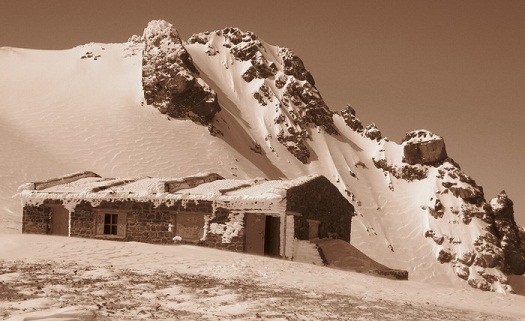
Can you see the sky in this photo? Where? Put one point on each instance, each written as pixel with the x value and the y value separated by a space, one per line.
pixel 456 68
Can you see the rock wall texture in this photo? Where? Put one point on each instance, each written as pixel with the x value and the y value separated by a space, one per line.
pixel 170 80
pixel 423 147
pixel 35 220
pixel 510 237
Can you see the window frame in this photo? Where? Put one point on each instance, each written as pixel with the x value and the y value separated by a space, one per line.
pixel 120 224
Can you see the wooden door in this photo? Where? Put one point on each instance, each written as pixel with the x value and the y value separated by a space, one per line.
pixel 255 230
pixel 59 221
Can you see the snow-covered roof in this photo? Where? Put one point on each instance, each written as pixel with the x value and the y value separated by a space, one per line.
pixel 203 186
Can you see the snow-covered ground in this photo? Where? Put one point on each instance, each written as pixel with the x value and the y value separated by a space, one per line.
pixel 44 277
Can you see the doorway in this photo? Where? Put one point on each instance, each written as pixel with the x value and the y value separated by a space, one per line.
pixel 59 221
pixel 272 236
pixel 263 235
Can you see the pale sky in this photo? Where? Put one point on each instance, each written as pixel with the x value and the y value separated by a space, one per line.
pixel 456 68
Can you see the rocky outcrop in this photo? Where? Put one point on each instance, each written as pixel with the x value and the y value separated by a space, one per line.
pixel 371 131
pixel 170 80
pixel 510 237
pixel 286 84
pixel 423 147
pixel 349 115
pixel 294 66
pixel 408 173
pixel 499 248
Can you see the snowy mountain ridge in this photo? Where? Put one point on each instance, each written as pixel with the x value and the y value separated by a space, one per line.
pixel 415 209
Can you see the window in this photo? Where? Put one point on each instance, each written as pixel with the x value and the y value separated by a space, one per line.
pixel 111 224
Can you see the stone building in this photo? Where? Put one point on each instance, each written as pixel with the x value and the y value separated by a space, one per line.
pixel 258 216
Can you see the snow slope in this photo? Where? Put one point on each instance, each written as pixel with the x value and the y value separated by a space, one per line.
pixel 135 281
pixel 83 109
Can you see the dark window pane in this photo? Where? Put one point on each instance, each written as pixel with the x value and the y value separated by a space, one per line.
pixel 110 224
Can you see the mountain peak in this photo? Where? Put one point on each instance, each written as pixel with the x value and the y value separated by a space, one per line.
pixel 160 30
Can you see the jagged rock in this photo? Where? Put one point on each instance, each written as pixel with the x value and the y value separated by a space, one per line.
pixel 437 239
pixel 371 131
pixel 475 209
pixel 483 265
pixel 468 258
pixel 438 210
pixel 444 256
pixel 170 79
pixel 245 51
pixel 310 106
pixel 295 146
pixel 280 81
pixel 263 95
pixel 511 238
pixel 349 115
pixel 411 173
pixel 244 46
pixel 469 191
pixel 201 38
pixel 250 74
pixel 294 66
pixel 423 147
pixel 468 194
pixel 407 172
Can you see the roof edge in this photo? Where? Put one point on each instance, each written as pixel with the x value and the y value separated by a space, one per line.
pixel 57 181
pixel 172 186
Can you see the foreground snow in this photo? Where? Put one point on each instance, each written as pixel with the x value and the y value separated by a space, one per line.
pixel 57 278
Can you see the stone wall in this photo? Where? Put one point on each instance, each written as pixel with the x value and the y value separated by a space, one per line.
pixel 320 200
pixel 36 219
pixel 144 222
pixel 83 221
